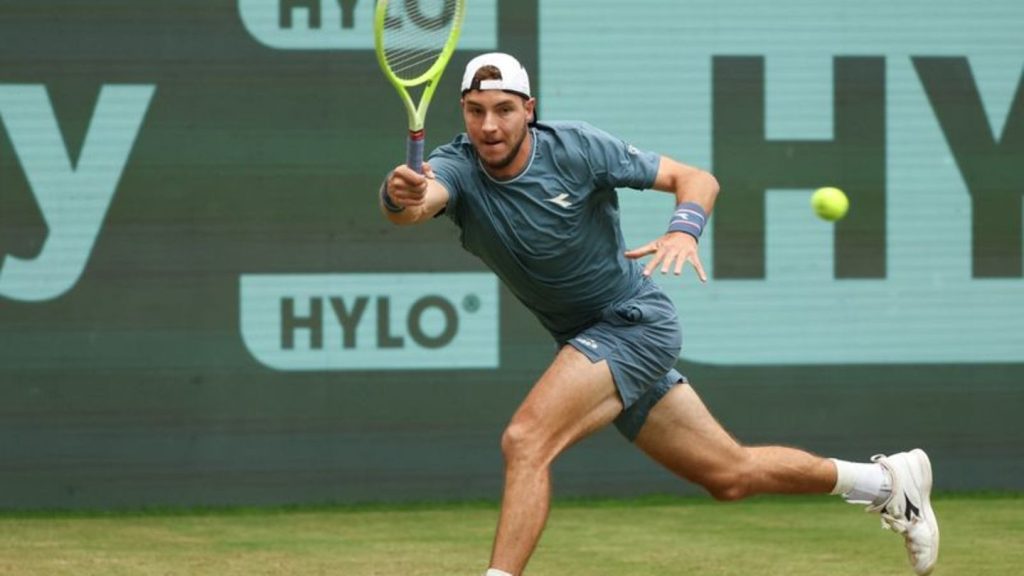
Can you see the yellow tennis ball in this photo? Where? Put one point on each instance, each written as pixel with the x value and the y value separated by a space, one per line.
pixel 830 203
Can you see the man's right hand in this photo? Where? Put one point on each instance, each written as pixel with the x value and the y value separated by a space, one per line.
pixel 407 188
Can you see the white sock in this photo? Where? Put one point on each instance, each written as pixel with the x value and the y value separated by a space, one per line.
pixel 496 572
pixel 862 483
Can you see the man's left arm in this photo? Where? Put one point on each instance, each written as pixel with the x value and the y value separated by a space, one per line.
pixel 695 191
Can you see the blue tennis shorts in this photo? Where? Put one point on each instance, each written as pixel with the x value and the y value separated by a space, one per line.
pixel 640 338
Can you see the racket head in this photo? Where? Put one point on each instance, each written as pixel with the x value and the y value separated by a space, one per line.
pixel 415 39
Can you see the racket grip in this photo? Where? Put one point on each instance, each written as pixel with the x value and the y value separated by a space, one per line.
pixel 414 150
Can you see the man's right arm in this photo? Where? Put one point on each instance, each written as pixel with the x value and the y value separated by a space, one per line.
pixel 407 197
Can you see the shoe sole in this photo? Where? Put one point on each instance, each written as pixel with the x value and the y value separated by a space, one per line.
pixel 926 501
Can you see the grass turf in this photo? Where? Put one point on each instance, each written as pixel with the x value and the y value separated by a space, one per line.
pixel 796 536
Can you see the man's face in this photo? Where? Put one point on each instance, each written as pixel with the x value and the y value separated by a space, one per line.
pixel 497 123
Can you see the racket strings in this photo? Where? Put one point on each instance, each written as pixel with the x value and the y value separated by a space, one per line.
pixel 411 63
pixel 414 42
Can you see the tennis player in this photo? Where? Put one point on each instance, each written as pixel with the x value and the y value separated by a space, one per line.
pixel 537 203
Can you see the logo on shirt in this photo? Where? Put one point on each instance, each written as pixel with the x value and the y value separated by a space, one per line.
pixel 562 200
pixel 588 342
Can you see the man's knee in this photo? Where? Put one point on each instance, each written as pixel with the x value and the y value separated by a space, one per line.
pixel 521 444
pixel 731 482
pixel 728 489
pixel 525 443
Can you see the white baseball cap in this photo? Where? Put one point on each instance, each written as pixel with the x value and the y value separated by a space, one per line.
pixel 513 76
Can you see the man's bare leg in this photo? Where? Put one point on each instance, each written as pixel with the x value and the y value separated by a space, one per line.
pixel 571 400
pixel 684 437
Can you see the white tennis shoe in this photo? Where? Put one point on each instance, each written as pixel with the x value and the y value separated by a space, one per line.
pixel 908 510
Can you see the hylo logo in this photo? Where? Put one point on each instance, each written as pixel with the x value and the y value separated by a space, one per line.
pixel 371 321
pixel 348 24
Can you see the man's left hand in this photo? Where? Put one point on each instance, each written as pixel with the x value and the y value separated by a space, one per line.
pixel 673 248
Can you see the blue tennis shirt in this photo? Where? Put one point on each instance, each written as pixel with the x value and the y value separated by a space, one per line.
pixel 551 233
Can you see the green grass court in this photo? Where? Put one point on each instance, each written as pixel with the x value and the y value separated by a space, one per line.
pixel 801 536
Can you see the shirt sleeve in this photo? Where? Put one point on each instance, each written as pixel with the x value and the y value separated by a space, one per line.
pixel 448 168
pixel 616 163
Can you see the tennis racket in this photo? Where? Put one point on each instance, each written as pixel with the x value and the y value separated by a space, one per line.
pixel 414 41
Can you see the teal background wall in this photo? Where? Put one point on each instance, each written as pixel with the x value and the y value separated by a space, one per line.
pixel 200 304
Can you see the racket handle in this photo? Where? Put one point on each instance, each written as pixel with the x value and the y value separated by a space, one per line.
pixel 414 150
